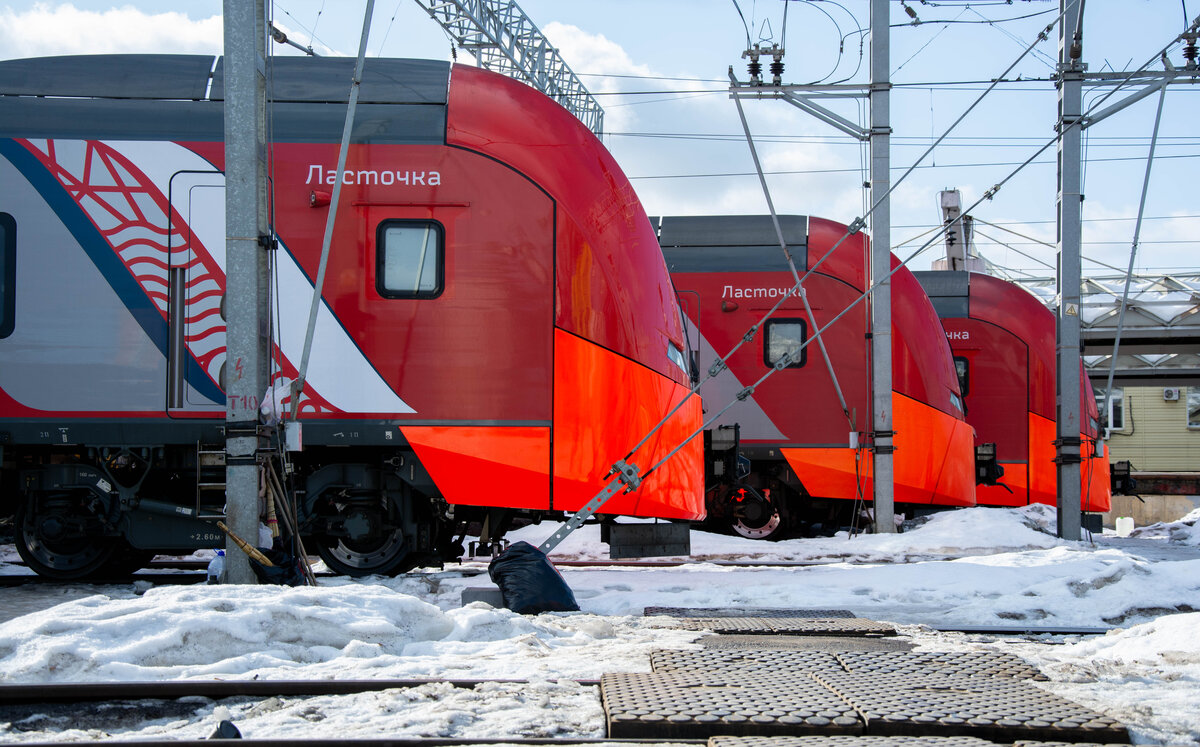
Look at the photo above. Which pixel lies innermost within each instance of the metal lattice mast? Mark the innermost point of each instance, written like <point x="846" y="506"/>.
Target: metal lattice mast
<point x="503" y="39"/>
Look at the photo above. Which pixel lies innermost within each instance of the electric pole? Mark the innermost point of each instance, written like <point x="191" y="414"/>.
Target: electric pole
<point x="881" y="266"/>
<point x="246" y="289"/>
<point x="1070" y="217"/>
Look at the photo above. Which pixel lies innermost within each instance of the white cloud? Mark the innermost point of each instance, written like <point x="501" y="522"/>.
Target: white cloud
<point x="63" y="29"/>
<point x="596" y="54"/>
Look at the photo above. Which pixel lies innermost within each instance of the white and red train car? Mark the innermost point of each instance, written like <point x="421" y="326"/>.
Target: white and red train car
<point x="497" y="325"/>
<point x="804" y="460"/>
<point x="1003" y="341"/>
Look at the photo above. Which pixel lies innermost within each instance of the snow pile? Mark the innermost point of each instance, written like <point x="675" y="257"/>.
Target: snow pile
<point x="1147" y="676"/>
<point x="1168" y="643"/>
<point x="306" y="633"/>
<point x="979" y="567"/>
<point x="1185" y="531"/>
<point x="971" y="531"/>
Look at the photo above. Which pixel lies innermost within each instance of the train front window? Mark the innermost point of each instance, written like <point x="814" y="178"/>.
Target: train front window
<point x="785" y="337"/>
<point x="8" y="266"/>
<point x="410" y="259"/>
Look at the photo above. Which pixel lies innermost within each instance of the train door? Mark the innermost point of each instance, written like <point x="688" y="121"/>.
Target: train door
<point x="819" y="442"/>
<point x="993" y="370"/>
<point x="453" y="305"/>
<point x="195" y="237"/>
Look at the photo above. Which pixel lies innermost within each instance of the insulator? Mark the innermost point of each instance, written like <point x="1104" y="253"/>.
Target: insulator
<point x="1189" y="52"/>
<point x="755" y="68"/>
<point x="777" y="69"/>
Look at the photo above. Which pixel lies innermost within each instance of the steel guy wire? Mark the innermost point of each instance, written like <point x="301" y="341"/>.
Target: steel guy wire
<point x="1137" y="230"/>
<point x="721" y="364"/>
<point x="747" y="391"/>
<point x="837" y="387"/>
<point x="314" y="308"/>
<point x="1006" y="245"/>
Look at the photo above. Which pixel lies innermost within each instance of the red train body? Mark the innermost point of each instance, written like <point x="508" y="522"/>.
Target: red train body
<point x="800" y="445"/>
<point x="497" y="325"/>
<point x="1003" y="341"/>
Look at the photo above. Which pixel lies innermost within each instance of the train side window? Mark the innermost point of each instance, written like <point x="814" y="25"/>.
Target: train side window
<point x="785" y="337"/>
<point x="962" y="367"/>
<point x="8" y="268"/>
<point x="1193" y="407"/>
<point x="409" y="259"/>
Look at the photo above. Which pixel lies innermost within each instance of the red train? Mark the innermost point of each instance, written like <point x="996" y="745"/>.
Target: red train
<point x="498" y="325"/>
<point x="803" y="465"/>
<point x="1003" y="341"/>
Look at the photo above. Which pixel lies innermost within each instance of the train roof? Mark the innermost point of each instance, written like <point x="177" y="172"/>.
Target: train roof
<point x="745" y="243"/>
<point x="949" y="290"/>
<point x="997" y="300"/>
<point x="188" y="77"/>
<point x="179" y="97"/>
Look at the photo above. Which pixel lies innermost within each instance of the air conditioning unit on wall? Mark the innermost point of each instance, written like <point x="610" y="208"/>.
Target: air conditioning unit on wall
<point x="1171" y="394"/>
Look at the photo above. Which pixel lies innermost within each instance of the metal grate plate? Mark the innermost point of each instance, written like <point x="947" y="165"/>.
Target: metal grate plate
<point x="1000" y="708"/>
<point x="956" y="663"/>
<point x="679" y="706"/>
<point x="787" y="625"/>
<point x="745" y="612"/>
<point x="961" y="663"/>
<point x="828" y="643"/>
<point x="849" y="741"/>
<point x="737" y="662"/>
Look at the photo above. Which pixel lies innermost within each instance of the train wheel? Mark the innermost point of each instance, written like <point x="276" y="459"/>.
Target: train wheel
<point x="48" y="546"/>
<point x="385" y="556"/>
<point x="369" y="537"/>
<point x="766" y="521"/>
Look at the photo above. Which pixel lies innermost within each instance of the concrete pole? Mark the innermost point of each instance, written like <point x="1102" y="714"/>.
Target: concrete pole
<point x="881" y="256"/>
<point x="1070" y="216"/>
<point x="246" y="290"/>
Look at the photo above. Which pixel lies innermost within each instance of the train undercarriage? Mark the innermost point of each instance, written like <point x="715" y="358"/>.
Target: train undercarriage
<point x="106" y="511"/>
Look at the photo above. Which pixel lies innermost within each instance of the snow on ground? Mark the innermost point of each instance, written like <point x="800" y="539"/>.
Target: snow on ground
<point x="977" y="567"/>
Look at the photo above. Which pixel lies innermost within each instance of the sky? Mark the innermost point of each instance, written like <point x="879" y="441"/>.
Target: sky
<point x="660" y="69"/>
<point x="1004" y="567"/>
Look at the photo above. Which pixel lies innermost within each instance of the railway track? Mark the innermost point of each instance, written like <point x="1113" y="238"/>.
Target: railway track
<point x="82" y="692"/>
<point x="391" y="742"/>
<point x="183" y="572"/>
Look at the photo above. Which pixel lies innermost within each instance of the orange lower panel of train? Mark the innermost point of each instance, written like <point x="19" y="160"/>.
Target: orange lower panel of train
<point x="1038" y="478"/>
<point x="932" y="449"/>
<point x="604" y="404"/>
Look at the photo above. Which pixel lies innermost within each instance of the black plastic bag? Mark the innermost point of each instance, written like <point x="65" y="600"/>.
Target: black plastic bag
<point x="285" y="572"/>
<point x="529" y="583"/>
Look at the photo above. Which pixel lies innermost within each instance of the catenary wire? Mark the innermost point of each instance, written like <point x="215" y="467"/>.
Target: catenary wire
<point x="990" y="194"/>
<point x="858" y="224"/>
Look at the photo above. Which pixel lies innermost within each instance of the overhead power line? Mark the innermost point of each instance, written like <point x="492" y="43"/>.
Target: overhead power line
<point x="796" y="172"/>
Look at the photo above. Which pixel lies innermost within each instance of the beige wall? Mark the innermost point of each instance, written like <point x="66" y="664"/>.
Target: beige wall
<point x="1156" y="436"/>
<point x="1151" y="509"/>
